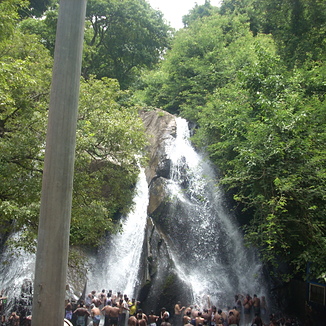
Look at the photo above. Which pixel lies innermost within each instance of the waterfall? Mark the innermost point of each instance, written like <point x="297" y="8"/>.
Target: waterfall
<point x="204" y="239"/>
<point x="17" y="275"/>
<point x="117" y="265"/>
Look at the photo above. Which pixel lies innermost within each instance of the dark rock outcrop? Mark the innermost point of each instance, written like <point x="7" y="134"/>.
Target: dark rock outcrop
<point x="160" y="126"/>
<point x="158" y="281"/>
<point x="162" y="285"/>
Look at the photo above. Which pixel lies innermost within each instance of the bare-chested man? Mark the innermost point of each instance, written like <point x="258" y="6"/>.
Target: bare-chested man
<point x="247" y="302"/>
<point x="218" y="318"/>
<point x="132" y="321"/>
<point x="199" y="320"/>
<point x="236" y="314"/>
<point x="152" y="319"/>
<point x="111" y="314"/>
<point x="96" y="301"/>
<point x="232" y="319"/>
<point x="256" y="305"/>
<point x="194" y="312"/>
<point x="82" y="314"/>
<point x="187" y="317"/>
<point x="96" y="315"/>
<point x="224" y="316"/>
<point x="106" y="312"/>
<point x="102" y="297"/>
<point x="177" y="318"/>
<point x="141" y="318"/>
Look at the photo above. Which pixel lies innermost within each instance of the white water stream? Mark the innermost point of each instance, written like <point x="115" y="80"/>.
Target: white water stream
<point x="16" y="276"/>
<point x="205" y="241"/>
<point x="118" y="263"/>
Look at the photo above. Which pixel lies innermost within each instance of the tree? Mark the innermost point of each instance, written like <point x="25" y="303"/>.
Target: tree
<point x="44" y="28"/>
<point x="298" y="26"/>
<point x="110" y="144"/>
<point x="198" y="12"/>
<point x="123" y="37"/>
<point x="24" y="89"/>
<point x="9" y="16"/>
<point x="109" y="137"/>
<point x="36" y="8"/>
<point x="197" y="63"/>
<point x="262" y="125"/>
<point x="265" y="135"/>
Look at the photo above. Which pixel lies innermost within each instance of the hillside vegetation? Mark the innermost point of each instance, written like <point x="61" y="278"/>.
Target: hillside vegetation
<point x="250" y="75"/>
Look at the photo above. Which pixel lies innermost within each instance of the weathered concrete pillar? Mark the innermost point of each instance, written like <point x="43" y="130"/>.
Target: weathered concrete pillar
<point x="55" y="213"/>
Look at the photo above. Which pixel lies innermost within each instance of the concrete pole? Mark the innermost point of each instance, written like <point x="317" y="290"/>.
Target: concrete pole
<point x="55" y="213"/>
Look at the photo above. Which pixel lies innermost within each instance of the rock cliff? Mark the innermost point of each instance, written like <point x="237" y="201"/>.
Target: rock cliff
<point x="161" y="285"/>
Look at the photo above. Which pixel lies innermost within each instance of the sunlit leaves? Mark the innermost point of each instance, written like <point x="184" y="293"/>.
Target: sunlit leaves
<point x="110" y="141"/>
<point x="122" y="38"/>
<point x="265" y="134"/>
<point x="110" y="137"/>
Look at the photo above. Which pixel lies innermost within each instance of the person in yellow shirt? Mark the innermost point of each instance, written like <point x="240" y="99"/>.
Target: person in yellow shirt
<point x="133" y="307"/>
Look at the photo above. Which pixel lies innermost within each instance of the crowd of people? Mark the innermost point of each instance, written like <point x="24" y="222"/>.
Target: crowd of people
<point x="110" y="309"/>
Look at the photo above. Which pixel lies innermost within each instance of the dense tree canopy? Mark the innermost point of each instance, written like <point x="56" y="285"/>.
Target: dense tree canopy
<point x="199" y="11"/>
<point x="298" y="26"/>
<point x="250" y="75"/>
<point x="109" y="138"/>
<point x="121" y="37"/>
<point x="254" y="84"/>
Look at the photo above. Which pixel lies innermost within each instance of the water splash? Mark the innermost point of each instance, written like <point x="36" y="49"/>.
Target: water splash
<point x="17" y="274"/>
<point x="205" y="241"/>
<point x="203" y="238"/>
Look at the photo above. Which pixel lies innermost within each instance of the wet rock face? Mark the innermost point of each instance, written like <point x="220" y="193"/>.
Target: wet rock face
<point x="160" y="126"/>
<point x="159" y="284"/>
<point x="157" y="195"/>
<point x="162" y="286"/>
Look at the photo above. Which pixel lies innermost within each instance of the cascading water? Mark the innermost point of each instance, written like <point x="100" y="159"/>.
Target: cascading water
<point x="17" y="274"/>
<point x="118" y="263"/>
<point x="204" y="240"/>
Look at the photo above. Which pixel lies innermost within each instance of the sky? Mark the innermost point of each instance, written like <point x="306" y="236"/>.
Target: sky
<point x="173" y="10"/>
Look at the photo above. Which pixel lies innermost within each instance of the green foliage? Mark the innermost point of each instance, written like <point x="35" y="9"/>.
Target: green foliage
<point x="259" y="104"/>
<point x="266" y="135"/>
<point x="122" y="38"/>
<point x="9" y="16"/>
<point x="38" y="7"/>
<point x="298" y="26"/>
<point x="110" y="137"/>
<point x="44" y="28"/>
<point x="197" y="63"/>
<point x="24" y="83"/>
<point x="198" y="12"/>
<point x="258" y="101"/>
